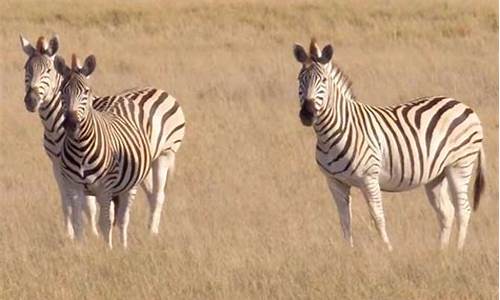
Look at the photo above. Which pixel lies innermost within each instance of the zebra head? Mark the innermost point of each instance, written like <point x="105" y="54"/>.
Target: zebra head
<point x="76" y="94"/>
<point x="313" y="80"/>
<point x="40" y="79"/>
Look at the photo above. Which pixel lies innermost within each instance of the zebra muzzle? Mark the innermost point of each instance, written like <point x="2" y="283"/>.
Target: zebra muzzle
<point x="31" y="100"/>
<point x="306" y="117"/>
<point x="70" y="123"/>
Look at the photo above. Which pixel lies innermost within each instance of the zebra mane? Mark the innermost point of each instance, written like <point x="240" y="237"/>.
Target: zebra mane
<point x="342" y="81"/>
<point x="75" y="62"/>
<point x="41" y="44"/>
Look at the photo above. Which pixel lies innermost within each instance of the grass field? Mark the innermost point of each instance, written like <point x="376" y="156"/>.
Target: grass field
<point x="248" y="213"/>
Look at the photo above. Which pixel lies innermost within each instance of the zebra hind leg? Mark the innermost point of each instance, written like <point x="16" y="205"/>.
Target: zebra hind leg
<point x="161" y="168"/>
<point x="123" y="213"/>
<point x="147" y="186"/>
<point x="438" y="193"/>
<point x="459" y="177"/>
<point x="342" y="198"/>
<point x="371" y="191"/>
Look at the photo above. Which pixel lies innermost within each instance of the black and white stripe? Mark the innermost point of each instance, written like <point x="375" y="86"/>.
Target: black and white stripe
<point x="43" y="86"/>
<point x="109" y="153"/>
<point x="431" y="141"/>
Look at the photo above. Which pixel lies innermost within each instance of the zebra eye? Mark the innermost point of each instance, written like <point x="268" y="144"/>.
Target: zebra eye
<point x="324" y="80"/>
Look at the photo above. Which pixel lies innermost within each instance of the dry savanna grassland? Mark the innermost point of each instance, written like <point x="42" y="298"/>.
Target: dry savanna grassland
<point x="248" y="213"/>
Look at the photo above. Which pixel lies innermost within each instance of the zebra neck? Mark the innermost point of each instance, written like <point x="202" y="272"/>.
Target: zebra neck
<point x="88" y="140"/>
<point x="334" y="120"/>
<point x="52" y="117"/>
<point x="54" y="92"/>
<point x="51" y="111"/>
<point x="88" y="128"/>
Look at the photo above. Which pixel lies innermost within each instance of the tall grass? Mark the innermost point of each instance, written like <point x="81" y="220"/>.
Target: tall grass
<point x="248" y="213"/>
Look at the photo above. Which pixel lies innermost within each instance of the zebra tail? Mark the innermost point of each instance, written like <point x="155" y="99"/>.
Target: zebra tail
<point x="479" y="183"/>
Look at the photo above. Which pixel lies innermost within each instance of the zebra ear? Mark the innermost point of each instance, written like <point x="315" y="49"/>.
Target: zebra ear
<point x="326" y="54"/>
<point x="26" y="45"/>
<point x="88" y="66"/>
<point x="299" y="53"/>
<point x="53" y="46"/>
<point x="61" y="67"/>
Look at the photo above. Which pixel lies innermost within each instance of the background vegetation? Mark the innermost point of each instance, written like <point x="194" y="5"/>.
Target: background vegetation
<point x="248" y="213"/>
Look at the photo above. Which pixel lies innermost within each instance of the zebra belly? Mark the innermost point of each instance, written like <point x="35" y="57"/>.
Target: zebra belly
<point x="113" y="174"/>
<point x="387" y="183"/>
<point x="390" y="179"/>
<point x="394" y="183"/>
<point x="109" y="183"/>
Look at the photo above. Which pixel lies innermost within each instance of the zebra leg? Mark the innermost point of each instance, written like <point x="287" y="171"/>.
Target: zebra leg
<point x="123" y="215"/>
<point x="341" y="195"/>
<point x="459" y="177"/>
<point x="77" y="198"/>
<point x="438" y="194"/>
<point x="147" y="186"/>
<point x="90" y="209"/>
<point x="160" y="175"/>
<point x="106" y="218"/>
<point x="65" y="200"/>
<point x="371" y="191"/>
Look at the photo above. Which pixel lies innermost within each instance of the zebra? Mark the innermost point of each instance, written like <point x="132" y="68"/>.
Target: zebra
<point x="43" y="85"/>
<point x="430" y="141"/>
<point x="107" y="153"/>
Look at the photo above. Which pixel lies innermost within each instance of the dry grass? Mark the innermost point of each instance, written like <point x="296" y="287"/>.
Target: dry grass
<point x="249" y="214"/>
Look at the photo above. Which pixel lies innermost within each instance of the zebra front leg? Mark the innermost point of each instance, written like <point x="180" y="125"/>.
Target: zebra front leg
<point x="77" y="198"/>
<point x="341" y="195"/>
<point x="438" y="194"/>
<point x="106" y="218"/>
<point x="123" y="215"/>
<point x="371" y="191"/>
<point x="90" y="209"/>
<point x="65" y="200"/>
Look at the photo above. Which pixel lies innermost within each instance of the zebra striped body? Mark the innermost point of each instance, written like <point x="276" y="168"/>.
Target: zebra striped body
<point x="51" y="114"/>
<point x="109" y="153"/>
<point x="159" y="113"/>
<point x="431" y="141"/>
<point x="43" y="85"/>
<point x="405" y="145"/>
<point x="121" y="121"/>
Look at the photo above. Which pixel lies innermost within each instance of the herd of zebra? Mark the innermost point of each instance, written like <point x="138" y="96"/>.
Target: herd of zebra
<point x="103" y="148"/>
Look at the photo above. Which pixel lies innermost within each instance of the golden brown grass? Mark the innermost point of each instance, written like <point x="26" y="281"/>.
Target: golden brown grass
<point x="248" y="213"/>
